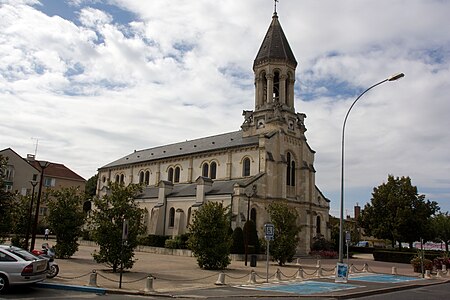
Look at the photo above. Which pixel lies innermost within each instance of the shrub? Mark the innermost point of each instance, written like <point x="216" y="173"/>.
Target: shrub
<point x="438" y="262"/>
<point x="324" y="253"/>
<point x="153" y="240"/>
<point x="320" y="243"/>
<point x="416" y="262"/>
<point x="238" y="241"/>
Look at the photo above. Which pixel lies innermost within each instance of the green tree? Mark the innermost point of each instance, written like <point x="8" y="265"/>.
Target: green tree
<point x="6" y="200"/>
<point x="66" y="218"/>
<point x="210" y="241"/>
<point x="91" y="187"/>
<point x="284" y="219"/>
<point x="108" y="218"/>
<point x="441" y="227"/>
<point x="395" y="209"/>
<point x="20" y="214"/>
<point x="238" y="241"/>
<point x="251" y="237"/>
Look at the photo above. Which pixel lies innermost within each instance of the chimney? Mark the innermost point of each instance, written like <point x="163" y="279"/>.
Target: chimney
<point x="357" y="211"/>
<point x="30" y="157"/>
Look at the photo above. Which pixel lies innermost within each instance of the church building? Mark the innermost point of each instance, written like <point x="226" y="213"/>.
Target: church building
<point x="268" y="160"/>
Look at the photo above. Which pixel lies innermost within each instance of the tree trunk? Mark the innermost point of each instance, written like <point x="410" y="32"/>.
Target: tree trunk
<point x="446" y="246"/>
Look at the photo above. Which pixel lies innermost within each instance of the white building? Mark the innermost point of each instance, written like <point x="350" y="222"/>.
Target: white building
<point x="268" y="160"/>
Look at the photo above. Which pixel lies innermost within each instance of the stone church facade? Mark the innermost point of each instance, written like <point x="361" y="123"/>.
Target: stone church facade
<point x="268" y="160"/>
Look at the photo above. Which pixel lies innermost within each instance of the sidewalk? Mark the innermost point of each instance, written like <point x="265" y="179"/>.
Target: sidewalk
<point x="180" y="275"/>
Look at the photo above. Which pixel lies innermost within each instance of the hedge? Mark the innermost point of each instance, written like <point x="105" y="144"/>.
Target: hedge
<point x="402" y="256"/>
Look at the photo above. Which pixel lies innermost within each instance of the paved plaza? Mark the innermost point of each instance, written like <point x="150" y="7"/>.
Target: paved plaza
<point x="180" y="276"/>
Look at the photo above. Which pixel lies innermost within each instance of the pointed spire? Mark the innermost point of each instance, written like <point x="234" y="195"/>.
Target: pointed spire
<point x="275" y="45"/>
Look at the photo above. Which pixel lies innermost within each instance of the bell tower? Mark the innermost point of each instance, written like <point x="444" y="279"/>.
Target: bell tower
<point x="274" y="70"/>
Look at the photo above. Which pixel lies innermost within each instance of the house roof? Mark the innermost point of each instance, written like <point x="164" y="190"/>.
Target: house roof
<point x="275" y="45"/>
<point x="58" y="171"/>
<point x="212" y="143"/>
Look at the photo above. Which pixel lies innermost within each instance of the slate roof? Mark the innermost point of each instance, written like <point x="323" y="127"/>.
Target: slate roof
<point x="216" y="142"/>
<point x="219" y="187"/>
<point x="275" y="45"/>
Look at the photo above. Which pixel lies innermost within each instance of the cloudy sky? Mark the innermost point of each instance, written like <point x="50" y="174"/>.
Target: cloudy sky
<point x="92" y="80"/>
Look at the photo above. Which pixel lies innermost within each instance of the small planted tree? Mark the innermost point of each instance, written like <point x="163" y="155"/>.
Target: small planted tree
<point x="6" y="199"/>
<point x="107" y="222"/>
<point x="209" y="240"/>
<point x="66" y="217"/>
<point x="238" y="241"/>
<point x="285" y="241"/>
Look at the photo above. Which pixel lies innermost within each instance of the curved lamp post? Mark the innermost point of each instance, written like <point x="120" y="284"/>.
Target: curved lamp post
<point x="30" y="211"/>
<point x="43" y="165"/>
<point x="341" y="219"/>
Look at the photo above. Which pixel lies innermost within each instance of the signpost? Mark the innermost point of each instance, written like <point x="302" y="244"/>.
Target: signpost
<point x="269" y="232"/>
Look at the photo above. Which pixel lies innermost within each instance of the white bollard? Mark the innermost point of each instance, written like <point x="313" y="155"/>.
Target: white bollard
<point x="93" y="278"/>
<point x="444" y="268"/>
<point x="319" y="264"/>
<point x="149" y="284"/>
<point x="352" y="269"/>
<point x="221" y="279"/>
<point x="319" y="273"/>
<point x="394" y="271"/>
<point x="300" y="275"/>
<point x="278" y="275"/>
<point x="427" y="274"/>
<point x="366" y="268"/>
<point x="439" y="274"/>
<point x="298" y="262"/>
<point x="252" y="279"/>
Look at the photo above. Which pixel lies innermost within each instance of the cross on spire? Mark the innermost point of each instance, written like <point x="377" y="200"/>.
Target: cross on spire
<point x="275" y="6"/>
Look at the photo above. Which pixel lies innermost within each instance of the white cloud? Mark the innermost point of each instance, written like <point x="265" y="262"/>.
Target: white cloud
<point x="94" y="89"/>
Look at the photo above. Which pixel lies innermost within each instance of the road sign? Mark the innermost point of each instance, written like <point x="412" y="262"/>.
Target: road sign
<point x="125" y="230"/>
<point x="269" y="231"/>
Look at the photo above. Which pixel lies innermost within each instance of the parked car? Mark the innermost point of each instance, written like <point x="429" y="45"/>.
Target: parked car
<point x="18" y="266"/>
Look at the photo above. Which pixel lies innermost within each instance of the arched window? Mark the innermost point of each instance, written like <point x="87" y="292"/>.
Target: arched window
<point x="170" y="175"/>
<point x="290" y="170"/>
<point x="188" y="222"/>
<point x="318" y="225"/>
<point x="246" y="167"/>
<point x="117" y="178"/>
<point x="253" y="215"/>
<point x="147" y="177"/>
<point x="172" y="217"/>
<point x="141" y="177"/>
<point x="276" y="86"/>
<point x="205" y="170"/>
<point x="177" y="174"/>
<point x="213" y="170"/>
<point x="122" y="178"/>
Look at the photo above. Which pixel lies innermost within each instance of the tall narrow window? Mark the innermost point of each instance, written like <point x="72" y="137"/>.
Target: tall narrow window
<point x="188" y="222"/>
<point x="122" y="178"/>
<point x="318" y="225"/>
<point x="170" y="175"/>
<point x="205" y="170"/>
<point x="172" y="217"/>
<point x="117" y="178"/>
<point x="246" y="167"/>
<point x="290" y="170"/>
<point x="276" y="87"/>
<point x="147" y="177"/>
<point x="213" y="170"/>
<point x="177" y="174"/>
<point x="141" y="177"/>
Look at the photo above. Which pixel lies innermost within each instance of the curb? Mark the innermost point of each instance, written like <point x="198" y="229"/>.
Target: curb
<point x="78" y="288"/>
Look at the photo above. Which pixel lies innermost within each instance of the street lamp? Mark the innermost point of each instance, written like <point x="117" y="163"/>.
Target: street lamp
<point x="341" y="220"/>
<point x="43" y="165"/>
<point x="27" y="236"/>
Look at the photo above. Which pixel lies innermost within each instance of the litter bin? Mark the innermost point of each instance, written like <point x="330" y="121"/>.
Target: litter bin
<point x="253" y="259"/>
